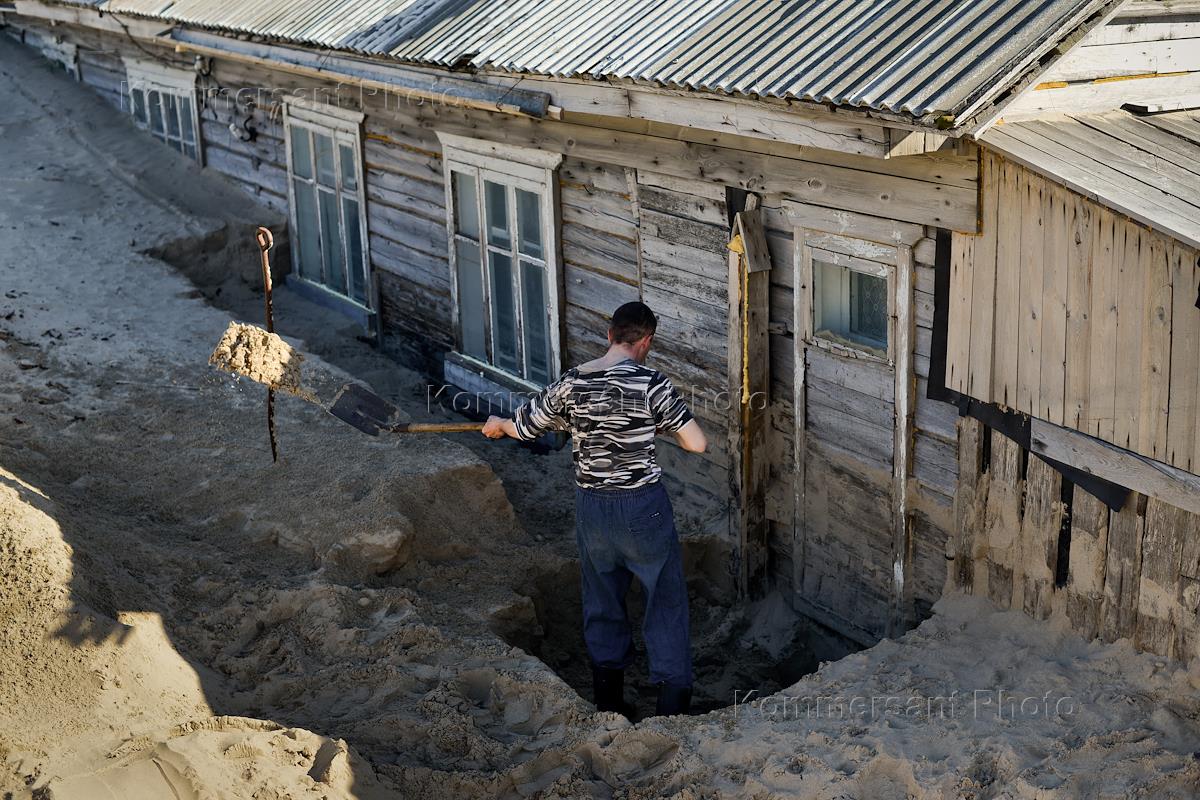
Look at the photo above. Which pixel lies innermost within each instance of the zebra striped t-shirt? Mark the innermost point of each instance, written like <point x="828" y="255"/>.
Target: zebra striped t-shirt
<point x="612" y="415"/>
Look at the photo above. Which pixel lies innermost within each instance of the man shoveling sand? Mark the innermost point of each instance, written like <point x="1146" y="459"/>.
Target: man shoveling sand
<point x="614" y="406"/>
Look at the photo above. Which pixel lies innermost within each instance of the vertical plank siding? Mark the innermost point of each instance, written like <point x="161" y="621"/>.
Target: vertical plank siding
<point x="1129" y="572"/>
<point x="1093" y="317"/>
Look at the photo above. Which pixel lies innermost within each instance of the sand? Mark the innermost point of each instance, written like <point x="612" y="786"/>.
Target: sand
<point x="182" y="618"/>
<point x="260" y="356"/>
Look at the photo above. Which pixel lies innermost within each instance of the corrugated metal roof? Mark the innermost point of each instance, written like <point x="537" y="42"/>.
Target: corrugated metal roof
<point x="1147" y="168"/>
<point x="915" y="57"/>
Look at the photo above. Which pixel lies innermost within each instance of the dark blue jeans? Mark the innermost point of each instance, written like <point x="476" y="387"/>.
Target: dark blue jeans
<point x="625" y="534"/>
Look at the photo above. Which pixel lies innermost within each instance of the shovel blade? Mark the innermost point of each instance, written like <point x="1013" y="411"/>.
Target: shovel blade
<point x="357" y="405"/>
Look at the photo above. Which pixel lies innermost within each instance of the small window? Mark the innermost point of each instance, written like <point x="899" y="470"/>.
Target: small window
<point x="850" y="308"/>
<point x="162" y="100"/>
<point x="327" y="219"/>
<point x="504" y="257"/>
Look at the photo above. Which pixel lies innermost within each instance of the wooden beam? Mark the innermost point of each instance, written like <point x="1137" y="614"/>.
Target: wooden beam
<point x="903" y="432"/>
<point x="807" y="180"/>
<point x="1122" y="467"/>
<point x="749" y="388"/>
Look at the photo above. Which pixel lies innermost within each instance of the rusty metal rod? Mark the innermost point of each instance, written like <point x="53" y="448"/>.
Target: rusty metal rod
<point x="265" y="242"/>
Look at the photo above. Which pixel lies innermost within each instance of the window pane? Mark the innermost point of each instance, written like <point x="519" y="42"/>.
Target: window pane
<point x="307" y="237"/>
<point x="172" y="114"/>
<point x="470" y="299"/>
<point x="850" y="307"/>
<point x="189" y="150"/>
<point x="504" y="314"/>
<point x="185" y="115"/>
<point x="331" y="242"/>
<point x="354" y="252"/>
<point x="495" y="197"/>
<point x="529" y="223"/>
<point x="537" y="334"/>
<point x="349" y="174"/>
<point x="868" y="308"/>
<point x="466" y="205"/>
<point x="156" y="123"/>
<point x="325" y="169"/>
<point x="301" y="153"/>
<point x="139" y="106"/>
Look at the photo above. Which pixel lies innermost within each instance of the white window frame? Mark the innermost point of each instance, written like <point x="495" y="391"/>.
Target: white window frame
<point x="815" y="246"/>
<point x="516" y="168"/>
<point x="344" y="127"/>
<point x="176" y="82"/>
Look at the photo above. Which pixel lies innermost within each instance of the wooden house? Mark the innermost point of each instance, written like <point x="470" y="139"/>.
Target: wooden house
<point x="795" y="188"/>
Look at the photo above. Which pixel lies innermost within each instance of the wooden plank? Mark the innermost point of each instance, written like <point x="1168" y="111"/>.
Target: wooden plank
<point x="1056" y="217"/>
<point x="1040" y="526"/>
<point x="749" y="388"/>
<point x="903" y="326"/>
<point x="1088" y="558"/>
<point x="691" y="206"/>
<point x="759" y="120"/>
<point x="802" y="327"/>
<point x="1078" y="323"/>
<point x="682" y="256"/>
<point x="594" y="291"/>
<point x="1122" y="467"/>
<point x="1102" y="350"/>
<point x="1158" y="608"/>
<point x="1130" y="272"/>
<point x="870" y="378"/>
<point x="1185" y="356"/>
<point x="1029" y="326"/>
<point x="680" y="229"/>
<point x="1122" y="574"/>
<point x="860" y="226"/>
<point x="959" y="329"/>
<point x="1156" y="347"/>
<point x="599" y="250"/>
<point x="857" y="248"/>
<point x="983" y="284"/>
<point x="1002" y="518"/>
<point x="685" y="284"/>
<point x="1008" y="285"/>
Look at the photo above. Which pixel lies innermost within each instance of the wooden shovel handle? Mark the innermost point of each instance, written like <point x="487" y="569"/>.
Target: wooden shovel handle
<point x="436" y="427"/>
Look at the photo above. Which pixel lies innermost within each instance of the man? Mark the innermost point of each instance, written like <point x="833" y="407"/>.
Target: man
<point x="613" y="407"/>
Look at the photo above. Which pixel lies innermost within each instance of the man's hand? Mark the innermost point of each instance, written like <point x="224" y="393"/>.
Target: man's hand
<point x="498" y="428"/>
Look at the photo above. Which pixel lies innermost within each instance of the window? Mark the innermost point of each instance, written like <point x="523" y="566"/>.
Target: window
<point x="162" y="101"/>
<point x="325" y="182"/>
<point x="850" y="306"/>
<point x="504" y="256"/>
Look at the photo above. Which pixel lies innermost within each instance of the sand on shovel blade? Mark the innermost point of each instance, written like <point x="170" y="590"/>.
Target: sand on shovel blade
<point x="262" y="357"/>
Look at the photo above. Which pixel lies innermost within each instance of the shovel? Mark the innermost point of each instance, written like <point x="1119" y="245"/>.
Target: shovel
<point x="357" y="405"/>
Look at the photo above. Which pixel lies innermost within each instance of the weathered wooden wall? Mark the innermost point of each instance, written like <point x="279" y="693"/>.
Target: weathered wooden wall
<point x="644" y="215"/>
<point x="1068" y="312"/>
<point x="1132" y="573"/>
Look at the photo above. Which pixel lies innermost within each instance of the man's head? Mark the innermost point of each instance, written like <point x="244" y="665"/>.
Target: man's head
<point x="633" y="325"/>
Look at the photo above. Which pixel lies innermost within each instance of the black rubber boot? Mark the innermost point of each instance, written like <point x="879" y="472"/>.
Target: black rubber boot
<point x="673" y="700"/>
<point x="608" y="689"/>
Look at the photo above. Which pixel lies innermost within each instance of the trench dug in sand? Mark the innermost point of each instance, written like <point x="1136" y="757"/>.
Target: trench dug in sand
<point x="736" y="647"/>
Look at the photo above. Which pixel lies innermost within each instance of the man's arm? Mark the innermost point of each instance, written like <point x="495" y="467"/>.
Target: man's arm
<point x="543" y="412"/>
<point x="691" y="437"/>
